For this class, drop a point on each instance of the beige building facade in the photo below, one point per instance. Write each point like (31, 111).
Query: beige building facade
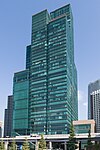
(83, 126)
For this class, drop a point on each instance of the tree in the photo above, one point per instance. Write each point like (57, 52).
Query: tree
(2, 146)
(93, 147)
(25, 145)
(42, 143)
(71, 145)
(13, 145)
(89, 143)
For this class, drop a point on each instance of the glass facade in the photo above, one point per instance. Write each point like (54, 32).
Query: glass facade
(28, 56)
(38, 73)
(21, 97)
(82, 128)
(53, 75)
(52, 99)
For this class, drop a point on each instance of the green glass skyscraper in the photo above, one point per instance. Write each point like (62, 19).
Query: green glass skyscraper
(52, 99)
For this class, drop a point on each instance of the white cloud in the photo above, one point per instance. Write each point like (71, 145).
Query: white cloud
(82, 105)
(85, 104)
(80, 96)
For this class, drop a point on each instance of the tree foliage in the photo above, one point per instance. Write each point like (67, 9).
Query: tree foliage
(2, 146)
(42, 143)
(13, 145)
(93, 147)
(71, 145)
(25, 145)
(89, 143)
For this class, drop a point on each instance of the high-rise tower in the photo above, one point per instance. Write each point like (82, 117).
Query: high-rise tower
(94, 103)
(52, 100)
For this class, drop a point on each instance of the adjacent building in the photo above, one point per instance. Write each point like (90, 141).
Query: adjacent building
(8, 118)
(0, 129)
(94, 103)
(83, 126)
(45, 94)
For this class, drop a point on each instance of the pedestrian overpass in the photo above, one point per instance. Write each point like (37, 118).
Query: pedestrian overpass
(33, 139)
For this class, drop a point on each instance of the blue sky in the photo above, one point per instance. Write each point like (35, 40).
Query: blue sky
(15, 35)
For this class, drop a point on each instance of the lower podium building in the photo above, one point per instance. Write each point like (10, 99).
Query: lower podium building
(83, 126)
(45, 94)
